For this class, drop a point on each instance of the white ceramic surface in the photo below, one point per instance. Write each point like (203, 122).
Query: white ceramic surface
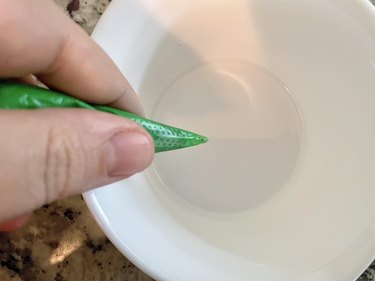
(285, 91)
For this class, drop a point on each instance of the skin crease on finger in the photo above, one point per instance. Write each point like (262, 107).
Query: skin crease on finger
(63, 158)
(60, 54)
(36, 38)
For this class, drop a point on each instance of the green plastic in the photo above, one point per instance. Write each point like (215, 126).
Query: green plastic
(21, 96)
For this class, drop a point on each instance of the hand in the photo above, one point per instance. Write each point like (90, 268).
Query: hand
(51, 154)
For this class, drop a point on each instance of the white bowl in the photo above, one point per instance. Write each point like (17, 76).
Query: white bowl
(285, 91)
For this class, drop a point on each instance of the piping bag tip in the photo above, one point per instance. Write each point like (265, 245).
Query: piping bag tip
(176, 138)
(192, 140)
(199, 139)
(202, 139)
(165, 137)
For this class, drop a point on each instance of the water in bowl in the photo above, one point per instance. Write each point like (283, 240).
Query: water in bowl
(254, 131)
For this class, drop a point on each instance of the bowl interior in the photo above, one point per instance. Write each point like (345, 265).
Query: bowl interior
(285, 92)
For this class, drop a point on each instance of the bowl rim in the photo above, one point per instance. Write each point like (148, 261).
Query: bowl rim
(90, 198)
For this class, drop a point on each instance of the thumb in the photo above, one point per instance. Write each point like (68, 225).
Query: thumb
(50, 154)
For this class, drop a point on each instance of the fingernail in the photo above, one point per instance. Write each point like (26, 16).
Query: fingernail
(132, 153)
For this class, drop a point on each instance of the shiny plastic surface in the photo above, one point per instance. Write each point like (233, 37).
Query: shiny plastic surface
(20, 96)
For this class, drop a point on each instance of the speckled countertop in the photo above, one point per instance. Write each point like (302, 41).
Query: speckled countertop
(62, 241)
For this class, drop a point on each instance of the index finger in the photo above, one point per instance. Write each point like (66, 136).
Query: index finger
(39, 39)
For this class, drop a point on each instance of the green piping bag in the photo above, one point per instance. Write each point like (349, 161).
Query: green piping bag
(21, 96)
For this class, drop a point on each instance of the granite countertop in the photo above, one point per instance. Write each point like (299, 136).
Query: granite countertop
(62, 241)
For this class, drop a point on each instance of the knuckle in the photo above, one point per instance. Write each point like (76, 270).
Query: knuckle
(62, 163)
